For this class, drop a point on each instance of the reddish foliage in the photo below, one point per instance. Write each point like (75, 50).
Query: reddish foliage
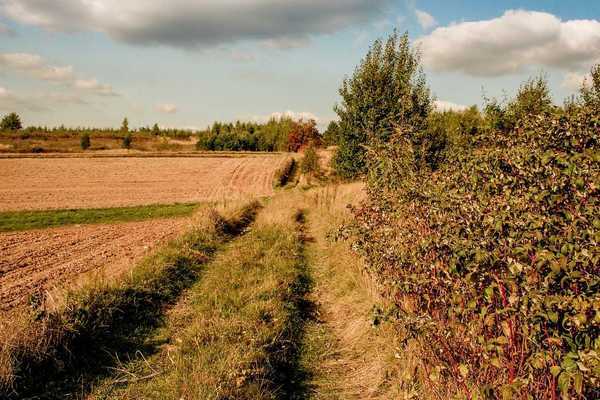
(303, 134)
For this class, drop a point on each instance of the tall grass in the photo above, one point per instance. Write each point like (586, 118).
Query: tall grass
(105, 318)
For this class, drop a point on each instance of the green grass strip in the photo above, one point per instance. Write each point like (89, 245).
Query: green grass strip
(25, 220)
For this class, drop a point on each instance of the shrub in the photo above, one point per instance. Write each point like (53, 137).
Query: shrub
(127, 140)
(310, 162)
(84, 141)
(285, 172)
(387, 89)
(492, 260)
(11, 122)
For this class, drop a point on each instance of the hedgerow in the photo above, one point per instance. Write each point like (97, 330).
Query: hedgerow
(492, 257)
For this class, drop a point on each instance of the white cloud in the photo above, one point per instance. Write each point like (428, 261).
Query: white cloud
(92, 85)
(36, 66)
(511, 43)
(185, 23)
(241, 56)
(167, 108)
(425, 19)
(441, 105)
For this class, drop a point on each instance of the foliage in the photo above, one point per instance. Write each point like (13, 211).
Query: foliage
(387, 89)
(84, 141)
(155, 130)
(125, 125)
(11, 122)
(251, 136)
(310, 162)
(303, 134)
(590, 90)
(492, 257)
(331, 136)
(127, 140)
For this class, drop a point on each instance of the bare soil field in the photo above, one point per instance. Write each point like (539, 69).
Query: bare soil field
(59, 183)
(39, 261)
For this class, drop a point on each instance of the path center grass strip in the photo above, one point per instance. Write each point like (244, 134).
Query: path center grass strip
(52, 352)
(26, 220)
(238, 334)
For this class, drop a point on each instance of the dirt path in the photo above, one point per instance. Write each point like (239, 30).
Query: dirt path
(41, 260)
(343, 353)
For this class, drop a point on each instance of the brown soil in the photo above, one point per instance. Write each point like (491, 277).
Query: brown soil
(58, 183)
(42, 260)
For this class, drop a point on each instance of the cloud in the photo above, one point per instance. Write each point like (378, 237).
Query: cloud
(240, 56)
(511, 43)
(93, 86)
(5, 30)
(303, 115)
(425, 19)
(36, 66)
(574, 81)
(441, 105)
(189, 24)
(167, 108)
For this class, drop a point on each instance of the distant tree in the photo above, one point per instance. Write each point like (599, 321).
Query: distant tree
(84, 141)
(127, 140)
(11, 122)
(303, 134)
(155, 130)
(590, 89)
(331, 135)
(387, 89)
(125, 125)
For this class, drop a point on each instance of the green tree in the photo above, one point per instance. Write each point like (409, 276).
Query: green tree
(84, 141)
(331, 135)
(533, 98)
(11, 122)
(125, 125)
(590, 90)
(387, 90)
(155, 130)
(310, 162)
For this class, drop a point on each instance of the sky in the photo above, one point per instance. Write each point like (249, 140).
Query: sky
(187, 63)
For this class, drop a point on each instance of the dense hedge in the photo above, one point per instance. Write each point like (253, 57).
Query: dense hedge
(493, 258)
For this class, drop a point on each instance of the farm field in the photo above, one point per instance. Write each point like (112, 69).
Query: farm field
(38, 261)
(41, 184)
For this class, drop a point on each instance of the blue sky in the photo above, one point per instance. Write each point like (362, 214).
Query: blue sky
(184, 63)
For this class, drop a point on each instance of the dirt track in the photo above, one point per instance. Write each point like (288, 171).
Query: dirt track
(46, 183)
(38, 261)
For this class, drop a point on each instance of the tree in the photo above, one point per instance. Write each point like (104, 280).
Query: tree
(590, 90)
(155, 130)
(11, 122)
(303, 134)
(387, 89)
(84, 141)
(125, 125)
(533, 98)
(331, 135)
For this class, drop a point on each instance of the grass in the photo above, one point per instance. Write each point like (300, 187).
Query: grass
(55, 350)
(26, 220)
(238, 332)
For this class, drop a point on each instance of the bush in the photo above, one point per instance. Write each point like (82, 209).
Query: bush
(127, 140)
(492, 259)
(11, 122)
(283, 174)
(310, 162)
(84, 142)
(386, 90)
(303, 134)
